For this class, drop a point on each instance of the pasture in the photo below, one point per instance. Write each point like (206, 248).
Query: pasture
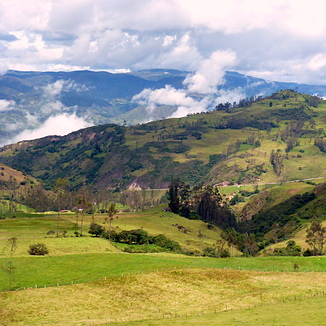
(89, 281)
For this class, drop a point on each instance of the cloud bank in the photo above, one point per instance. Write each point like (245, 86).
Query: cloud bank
(47, 117)
(200, 93)
(281, 39)
(59, 125)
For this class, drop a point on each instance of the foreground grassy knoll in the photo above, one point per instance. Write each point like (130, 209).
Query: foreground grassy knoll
(299, 313)
(203, 294)
(51, 271)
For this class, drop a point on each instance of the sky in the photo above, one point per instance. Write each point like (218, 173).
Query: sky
(280, 40)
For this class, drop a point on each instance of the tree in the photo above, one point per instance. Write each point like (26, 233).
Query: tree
(200, 236)
(211, 209)
(316, 236)
(60, 189)
(82, 203)
(174, 195)
(9, 268)
(111, 211)
(96, 229)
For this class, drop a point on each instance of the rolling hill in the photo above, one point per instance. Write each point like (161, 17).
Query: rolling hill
(274, 139)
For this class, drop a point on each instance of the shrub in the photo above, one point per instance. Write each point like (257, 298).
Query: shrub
(134, 249)
(291, 249)
(216, 252)
(38, 249)
(96, 229)
(138, 236)
(308, 252)
(51, 232)
(162, 241)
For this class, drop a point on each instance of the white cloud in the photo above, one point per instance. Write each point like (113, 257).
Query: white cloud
(317, 62)
(7, 105)
(61, 124)
(275, 37)
(22, 14)
(210, 73)
(204, 82)
(229, 96)
(183, 55)
(163, 96)
(168, 40)
(52, 90)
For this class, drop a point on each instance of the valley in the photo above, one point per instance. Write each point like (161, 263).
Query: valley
(203, 219)
(150, 288)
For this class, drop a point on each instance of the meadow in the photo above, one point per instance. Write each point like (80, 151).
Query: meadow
(89, 281)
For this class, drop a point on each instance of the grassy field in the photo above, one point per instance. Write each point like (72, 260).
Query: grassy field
(201, 294)
(89, 281)
(49, 271)
(154, 221)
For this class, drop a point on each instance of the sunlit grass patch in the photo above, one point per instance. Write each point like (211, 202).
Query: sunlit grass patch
(160, 295)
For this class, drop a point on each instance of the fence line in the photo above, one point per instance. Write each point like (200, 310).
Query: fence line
(155, 270)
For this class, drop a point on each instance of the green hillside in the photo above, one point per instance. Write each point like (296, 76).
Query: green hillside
(258, 141)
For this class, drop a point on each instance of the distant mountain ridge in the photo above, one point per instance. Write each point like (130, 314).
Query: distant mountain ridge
(29, 98)
(274, 139)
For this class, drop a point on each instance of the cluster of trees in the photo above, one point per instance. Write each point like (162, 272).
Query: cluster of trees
(315, 238)
(276, 159)
(291, 134)
(227, 106)
(135, 237)
(38, 249)
(291, 249)
(243, 241)
(321, 144)
(220, 250)
(61, 197)
(248, 236)
(205, 203)
(280, 218)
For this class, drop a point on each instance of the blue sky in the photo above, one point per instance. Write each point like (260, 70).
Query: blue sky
(280, 40)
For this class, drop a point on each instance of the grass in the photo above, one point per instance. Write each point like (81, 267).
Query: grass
(100, 285)
(171, 293)
(50, 270)
(299, 313)
(156, 221)
(299, 238)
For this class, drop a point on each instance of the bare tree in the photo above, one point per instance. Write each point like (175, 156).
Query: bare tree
(111, 211)
(9, 268)
(60, 189)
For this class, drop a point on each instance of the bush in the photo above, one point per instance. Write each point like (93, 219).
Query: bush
(134, 249)
(308, 252)
(162, 241)
(291, 249)
(51, 232)
(138, 237)
(38, 249)
(96, 229)
(216, 252)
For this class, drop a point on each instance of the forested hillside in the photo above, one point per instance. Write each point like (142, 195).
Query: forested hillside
(274, 139)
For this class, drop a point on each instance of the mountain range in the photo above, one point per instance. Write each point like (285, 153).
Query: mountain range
(28, 99)
(275, 139)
